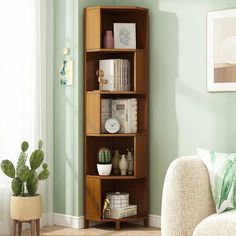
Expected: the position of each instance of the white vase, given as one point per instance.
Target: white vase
(123, 165)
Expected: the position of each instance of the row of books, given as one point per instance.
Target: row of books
(124, 110)
(116, 74)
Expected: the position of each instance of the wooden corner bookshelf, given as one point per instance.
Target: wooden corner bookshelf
(96, 21)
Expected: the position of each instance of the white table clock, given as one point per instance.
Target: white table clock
(112, 125)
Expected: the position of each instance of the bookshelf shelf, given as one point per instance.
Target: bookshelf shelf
(116, 135)
(97, 20)
(114, 50)
(115, 177)
(116, 92)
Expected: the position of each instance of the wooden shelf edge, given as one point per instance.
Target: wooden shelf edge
(114, 177)
(115, 135)
(118, 8)
(114, 50)
(116, 92)
(127, 219)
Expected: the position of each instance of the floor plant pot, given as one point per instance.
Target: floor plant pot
(104, 169)
(26, 208)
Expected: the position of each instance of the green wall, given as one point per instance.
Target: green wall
(183, 115)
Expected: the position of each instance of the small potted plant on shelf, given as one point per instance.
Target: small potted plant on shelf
(104, 165)
(26, 205)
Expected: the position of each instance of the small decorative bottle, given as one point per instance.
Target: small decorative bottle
(108, 39)
(130, 160)
(115, 163)
(123, 164)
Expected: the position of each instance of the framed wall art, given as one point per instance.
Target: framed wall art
(221, 50)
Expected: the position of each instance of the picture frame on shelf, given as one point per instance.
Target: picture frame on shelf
(125, 35)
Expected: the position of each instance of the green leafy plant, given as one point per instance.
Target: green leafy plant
(24, 176)
(104, 156)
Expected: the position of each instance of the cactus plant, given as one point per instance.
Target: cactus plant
(22, 176)
(104, 156)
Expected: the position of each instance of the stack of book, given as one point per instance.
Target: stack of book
(116, 73)
(118, 213)
(124, 110)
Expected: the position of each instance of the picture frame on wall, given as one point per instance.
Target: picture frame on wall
(221, 50)
(125, 35)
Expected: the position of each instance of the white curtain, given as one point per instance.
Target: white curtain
(23, 92)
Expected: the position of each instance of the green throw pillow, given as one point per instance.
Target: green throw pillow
(222, 173)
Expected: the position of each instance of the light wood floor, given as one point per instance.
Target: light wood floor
(107, 230)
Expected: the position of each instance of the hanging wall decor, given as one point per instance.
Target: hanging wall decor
(221, 50)
(66, 68)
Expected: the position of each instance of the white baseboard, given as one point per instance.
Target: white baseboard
(155, 221)
(77, 222)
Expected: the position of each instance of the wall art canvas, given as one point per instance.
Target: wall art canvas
(66, 72)
(221, 50)
(125, 35)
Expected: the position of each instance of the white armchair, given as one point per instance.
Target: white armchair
(187, 205)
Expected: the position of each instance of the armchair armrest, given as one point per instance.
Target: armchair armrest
(187, 197)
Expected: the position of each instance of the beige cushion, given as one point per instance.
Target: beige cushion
(223, 224)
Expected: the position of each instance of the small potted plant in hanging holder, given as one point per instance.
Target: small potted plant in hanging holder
(26, 205)
(104, 165)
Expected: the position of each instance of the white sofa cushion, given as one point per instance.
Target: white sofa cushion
(223, 224)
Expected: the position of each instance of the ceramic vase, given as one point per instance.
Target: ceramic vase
(130, 160)
(108, 39)
(115, 163)
(123, 165)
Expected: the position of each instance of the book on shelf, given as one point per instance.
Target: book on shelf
(116, 74)
(124, 110)
(105, 112)
(118, 213)
(107, 66)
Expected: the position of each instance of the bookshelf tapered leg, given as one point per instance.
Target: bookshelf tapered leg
(117, 225)
(86, 224)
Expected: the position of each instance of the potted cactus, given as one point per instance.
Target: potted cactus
(26, 204)
(104, 165)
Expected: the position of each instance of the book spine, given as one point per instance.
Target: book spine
(135, 118)
(130, 115)
(105, 112)
(125, 76)
(128, 76)
(115, 72)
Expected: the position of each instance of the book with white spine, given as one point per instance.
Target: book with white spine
(108, 68)
(135, 117)
(128, 69)
(105, 112)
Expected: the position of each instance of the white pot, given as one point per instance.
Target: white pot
(104, 169)
(26, 208)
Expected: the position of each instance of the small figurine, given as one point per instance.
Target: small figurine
(106, 205)
(101, 80)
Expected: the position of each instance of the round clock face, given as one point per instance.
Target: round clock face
(112, 125)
